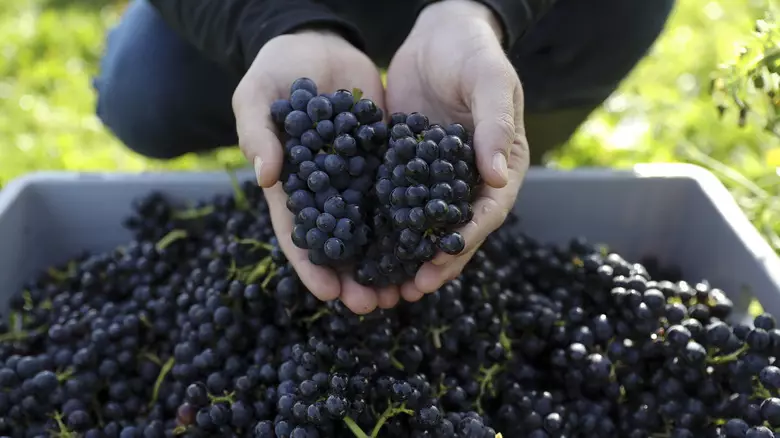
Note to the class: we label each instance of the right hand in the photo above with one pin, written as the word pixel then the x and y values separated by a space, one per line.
pixel 333 63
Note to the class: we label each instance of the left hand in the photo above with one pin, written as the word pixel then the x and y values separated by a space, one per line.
pixel 452 68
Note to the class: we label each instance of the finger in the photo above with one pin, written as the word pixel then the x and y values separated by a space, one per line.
pixel 322 282
pixel 388 297
pixel 410 292
pixel 495 108
pixel 258 137
pixel 431 277
pixel 358 298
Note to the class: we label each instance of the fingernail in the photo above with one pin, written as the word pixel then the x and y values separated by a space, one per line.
pixel 500 166
pixel 258 163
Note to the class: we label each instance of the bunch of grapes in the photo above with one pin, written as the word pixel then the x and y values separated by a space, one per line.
pixel 352 179
pixel 424 191
pixel 331 153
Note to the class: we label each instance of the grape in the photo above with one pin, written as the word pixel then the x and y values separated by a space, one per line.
pixel 279 110
pixel 300 98
pixel 296 123
pixel 319 108
pixel 304 84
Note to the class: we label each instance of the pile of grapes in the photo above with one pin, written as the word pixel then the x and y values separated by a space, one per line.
pixel 199 327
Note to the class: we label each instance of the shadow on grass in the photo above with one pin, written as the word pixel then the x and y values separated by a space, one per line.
pixel 87 5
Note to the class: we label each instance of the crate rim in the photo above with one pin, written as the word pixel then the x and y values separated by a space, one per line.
pixel 709 184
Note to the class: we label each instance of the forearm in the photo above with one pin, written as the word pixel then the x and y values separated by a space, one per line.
pixel 231 32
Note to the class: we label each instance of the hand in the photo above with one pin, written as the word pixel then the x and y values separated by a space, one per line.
pixel 332 63
pixel 452 69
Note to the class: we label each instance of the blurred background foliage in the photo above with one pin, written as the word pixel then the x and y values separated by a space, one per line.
pixel 665 111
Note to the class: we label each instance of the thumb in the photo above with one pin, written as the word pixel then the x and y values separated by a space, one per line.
pixel 495 99
pixel 257 134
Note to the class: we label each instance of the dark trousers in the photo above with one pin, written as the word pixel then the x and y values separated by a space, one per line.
pixel 163 99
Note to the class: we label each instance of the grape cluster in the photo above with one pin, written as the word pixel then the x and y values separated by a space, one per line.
pixel 332 149
pixel 199 327
pixel 424 190
pixel 352 179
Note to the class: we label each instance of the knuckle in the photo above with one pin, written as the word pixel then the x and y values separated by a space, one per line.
pixel 238 95
pixel 505 126
pixel 520 155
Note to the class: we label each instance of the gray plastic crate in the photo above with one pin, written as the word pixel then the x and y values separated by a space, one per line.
pixel 679 213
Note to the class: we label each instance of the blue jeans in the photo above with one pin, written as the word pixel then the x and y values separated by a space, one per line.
pixel 163 99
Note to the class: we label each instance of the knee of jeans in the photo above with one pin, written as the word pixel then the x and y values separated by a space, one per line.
pixel 139 117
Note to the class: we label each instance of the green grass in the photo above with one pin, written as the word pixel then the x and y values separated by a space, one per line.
pixel 49 52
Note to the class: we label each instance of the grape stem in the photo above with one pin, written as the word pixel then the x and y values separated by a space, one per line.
pixel 228 397
pixel 65 375
pixel 728 357
pixel 309 320
pixel 62 431
pixel 486 379
pixel 256 244
pixel 354 428
pixel 166 368
pixel 171 237
pixel 238 194
pixel 436 335
pixel 193 213
pixel 21 336
pixel 389 413
pixel 259 271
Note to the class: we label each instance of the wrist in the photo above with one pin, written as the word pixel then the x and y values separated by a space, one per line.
pixel 463 11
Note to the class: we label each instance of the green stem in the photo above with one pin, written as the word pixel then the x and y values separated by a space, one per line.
pixel 309 320
pixel 259 271
pixel 503 338
pixel 20 336
pixel 228 397
pixel 357 94
pixel 28 301
pixel 389 413
pixel 65 375
pixel 354 428
pixel 169 238
pixel 160 378
pixel 62 431
pixel 193 213
pixel 728 357
pixel 238 194
pixel 267 281
pixel 153 358
pixel 484 381
pixel 256 244
pixel 145 321
pixel 396 363
pixel 436 335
